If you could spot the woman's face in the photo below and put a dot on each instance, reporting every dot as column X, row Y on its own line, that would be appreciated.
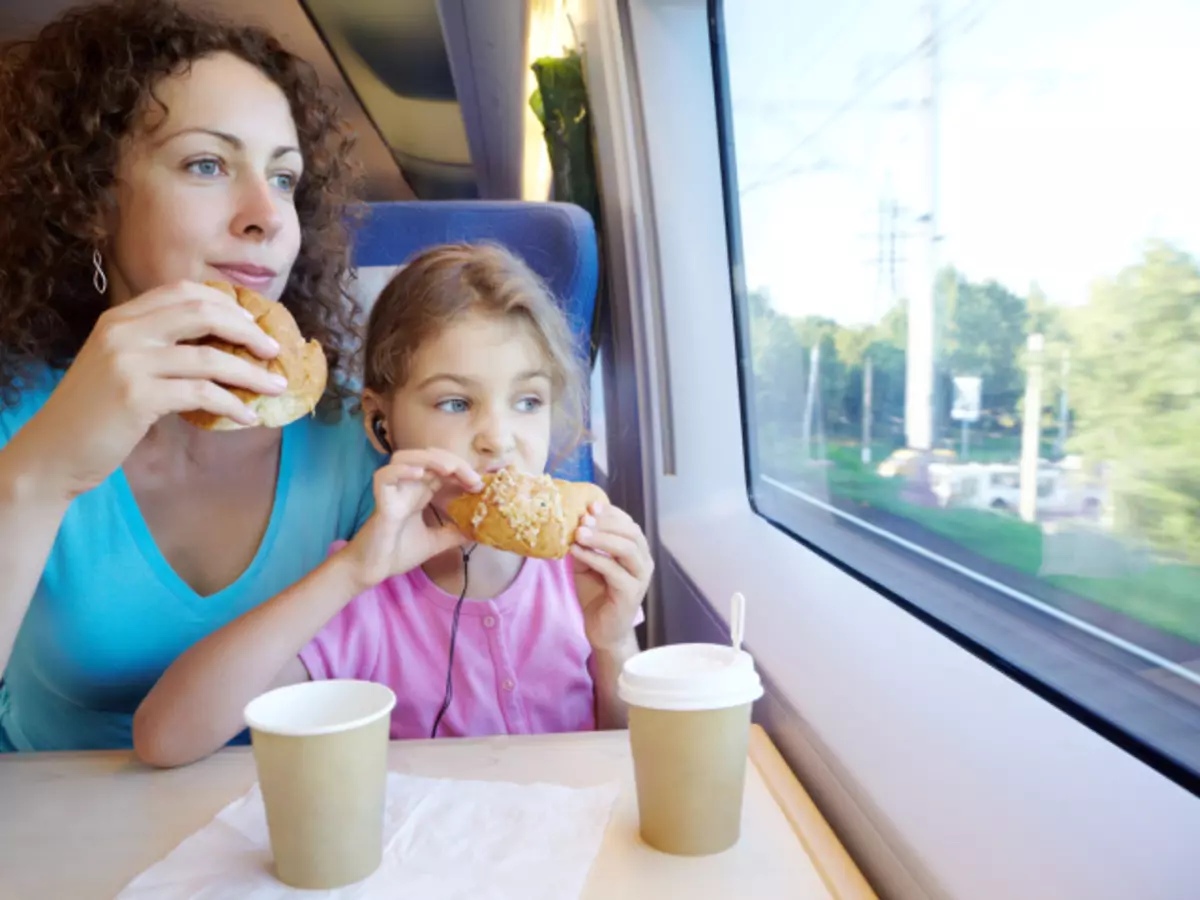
column 205, row 189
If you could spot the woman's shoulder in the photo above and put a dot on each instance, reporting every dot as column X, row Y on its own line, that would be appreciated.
column 336, row 442
column 27, row 394
column 332, row 459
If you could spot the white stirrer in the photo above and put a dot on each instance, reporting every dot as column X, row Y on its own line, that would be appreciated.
column 737, row 619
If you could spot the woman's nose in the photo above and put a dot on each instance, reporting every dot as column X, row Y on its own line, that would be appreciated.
column 257, row 213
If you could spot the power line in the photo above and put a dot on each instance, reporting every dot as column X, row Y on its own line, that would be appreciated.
column 977, row 6
column 828, row 45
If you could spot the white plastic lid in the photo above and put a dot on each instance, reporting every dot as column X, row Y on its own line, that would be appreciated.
column 319, row 707
column 690, row 676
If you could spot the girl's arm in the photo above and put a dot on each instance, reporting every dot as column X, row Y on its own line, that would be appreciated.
column 613, row 567
column 196, row 707
column 606, row 666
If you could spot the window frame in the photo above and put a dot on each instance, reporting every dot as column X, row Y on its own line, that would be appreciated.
column 861, row 691
column 1004, row 638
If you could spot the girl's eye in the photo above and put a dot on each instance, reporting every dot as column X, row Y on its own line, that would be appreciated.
column 530, row 404
column 206, row 168
column 453, row 405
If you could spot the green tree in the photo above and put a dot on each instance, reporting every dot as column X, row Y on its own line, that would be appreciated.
column 1135, row 383
column 778, row 373
column 833, row 382
column 1053, row 323
column 883, row 345
column 984, row 335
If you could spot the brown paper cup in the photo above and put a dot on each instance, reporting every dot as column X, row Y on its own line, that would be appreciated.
column 689, row 733
column 321, row 752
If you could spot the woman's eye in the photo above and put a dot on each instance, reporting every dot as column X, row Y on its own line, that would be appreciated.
column 206, row 168
column 285, row 181
column 453, row 405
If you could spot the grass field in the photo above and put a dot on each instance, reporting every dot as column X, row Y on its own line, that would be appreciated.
column 1162, row 595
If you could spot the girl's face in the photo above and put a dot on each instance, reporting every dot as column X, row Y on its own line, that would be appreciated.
column 481, row 389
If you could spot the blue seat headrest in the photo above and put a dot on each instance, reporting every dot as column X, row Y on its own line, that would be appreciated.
column 556, row 240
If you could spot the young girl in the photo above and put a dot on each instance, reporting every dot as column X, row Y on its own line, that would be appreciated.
column 469, row 368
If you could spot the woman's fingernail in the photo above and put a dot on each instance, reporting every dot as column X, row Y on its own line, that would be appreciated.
column 583, row 534
column 278, row 381
column 589, row 522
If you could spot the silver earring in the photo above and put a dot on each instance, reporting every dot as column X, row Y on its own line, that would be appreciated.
column 99, row 279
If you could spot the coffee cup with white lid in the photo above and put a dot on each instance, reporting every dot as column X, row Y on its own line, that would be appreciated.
column 689, row 730
column 690, row 677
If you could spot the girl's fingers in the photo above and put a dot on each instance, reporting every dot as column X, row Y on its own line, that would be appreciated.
column 618, row 579
column 444, row 465
column 625, row 551
column 402, row 490
column 606, row 517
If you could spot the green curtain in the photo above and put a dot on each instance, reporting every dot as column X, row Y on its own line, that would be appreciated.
column 561, row 105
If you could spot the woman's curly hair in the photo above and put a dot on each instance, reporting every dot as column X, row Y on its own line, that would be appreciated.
column 68, row 98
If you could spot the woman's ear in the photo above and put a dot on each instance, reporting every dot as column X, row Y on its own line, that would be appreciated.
column 375, row 422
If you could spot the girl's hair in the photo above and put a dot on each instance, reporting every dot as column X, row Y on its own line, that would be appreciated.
column 441, row 285
column 68, row 99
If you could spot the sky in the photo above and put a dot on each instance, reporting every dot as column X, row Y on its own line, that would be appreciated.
column 1067, row 138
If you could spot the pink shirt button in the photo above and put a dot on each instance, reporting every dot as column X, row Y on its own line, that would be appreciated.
column 489, row 622
column 508, row 684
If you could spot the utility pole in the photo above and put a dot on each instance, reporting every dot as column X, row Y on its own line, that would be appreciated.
column 814, row 364
column 885, row 289
column 866, row 419
column 894, row 213
column 1031, row 428
column 918, row 394
column 1064, row 407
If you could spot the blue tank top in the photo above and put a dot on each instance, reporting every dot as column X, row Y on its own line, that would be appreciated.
column 110, row 614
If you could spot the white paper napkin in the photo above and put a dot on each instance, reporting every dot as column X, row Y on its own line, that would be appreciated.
column 443, row 840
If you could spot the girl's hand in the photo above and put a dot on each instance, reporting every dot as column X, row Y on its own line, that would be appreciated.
column 136, row 368
column 400, row 535
column 612, row 573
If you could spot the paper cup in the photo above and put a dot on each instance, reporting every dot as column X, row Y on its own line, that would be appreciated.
column 689, row 731
column 321, row 752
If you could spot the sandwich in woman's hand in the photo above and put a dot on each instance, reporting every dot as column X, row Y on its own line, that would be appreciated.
column 531, row 515
column 301, row 362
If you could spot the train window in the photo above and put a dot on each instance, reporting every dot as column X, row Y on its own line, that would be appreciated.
column 967, row 278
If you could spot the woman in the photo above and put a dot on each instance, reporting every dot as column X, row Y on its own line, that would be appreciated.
column 144, row 150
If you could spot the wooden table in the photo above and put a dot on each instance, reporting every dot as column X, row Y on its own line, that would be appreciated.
column 80, row 826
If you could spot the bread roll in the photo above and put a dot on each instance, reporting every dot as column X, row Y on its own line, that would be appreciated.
column 531, row 515
column 301, row 362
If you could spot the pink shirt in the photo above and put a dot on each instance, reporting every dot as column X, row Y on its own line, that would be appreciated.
column 520, row 659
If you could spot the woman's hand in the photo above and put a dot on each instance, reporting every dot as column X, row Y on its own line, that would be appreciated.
column 612, row 574
column 134, row 369
column 399, row 536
